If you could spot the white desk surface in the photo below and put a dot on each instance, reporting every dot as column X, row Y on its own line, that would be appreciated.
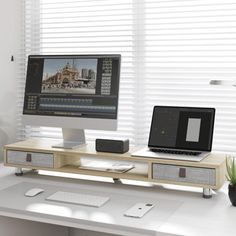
column 176, row 212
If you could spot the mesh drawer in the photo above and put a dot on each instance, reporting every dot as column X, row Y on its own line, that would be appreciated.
column 30, row 158
column 184, row 174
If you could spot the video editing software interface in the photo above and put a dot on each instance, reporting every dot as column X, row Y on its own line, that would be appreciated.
column 75, row 86
column 182, row 128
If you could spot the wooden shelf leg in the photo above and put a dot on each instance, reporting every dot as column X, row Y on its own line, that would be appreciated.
column 18, row 172
column 207, row 193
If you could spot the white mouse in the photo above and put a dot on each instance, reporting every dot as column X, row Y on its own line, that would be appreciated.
column 33, row 192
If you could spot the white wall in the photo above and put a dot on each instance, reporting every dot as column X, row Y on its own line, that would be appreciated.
column 10, row 26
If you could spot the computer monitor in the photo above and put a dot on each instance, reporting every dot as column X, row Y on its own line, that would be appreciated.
column 73, row 92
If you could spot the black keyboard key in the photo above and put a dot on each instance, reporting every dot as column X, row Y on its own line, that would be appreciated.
column 190, row 153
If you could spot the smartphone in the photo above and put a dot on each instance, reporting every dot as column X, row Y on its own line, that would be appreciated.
column 139, row 210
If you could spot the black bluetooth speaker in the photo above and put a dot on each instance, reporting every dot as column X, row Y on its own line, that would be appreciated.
column 110, row 145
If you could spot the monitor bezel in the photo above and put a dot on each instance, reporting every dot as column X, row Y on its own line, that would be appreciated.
column 68, row 121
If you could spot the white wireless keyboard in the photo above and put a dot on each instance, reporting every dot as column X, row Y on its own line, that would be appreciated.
column 78, row 199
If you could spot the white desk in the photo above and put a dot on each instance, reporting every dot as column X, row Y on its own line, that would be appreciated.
column 176, row 212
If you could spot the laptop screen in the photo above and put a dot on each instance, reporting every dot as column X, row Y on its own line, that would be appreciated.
column 185, row 128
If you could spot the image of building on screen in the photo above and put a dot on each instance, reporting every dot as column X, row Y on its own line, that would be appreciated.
column 69, row 76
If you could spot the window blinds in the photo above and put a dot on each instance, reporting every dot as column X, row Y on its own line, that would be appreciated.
column 170, row 49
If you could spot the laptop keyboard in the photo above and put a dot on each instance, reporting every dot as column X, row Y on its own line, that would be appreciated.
column 189, row 153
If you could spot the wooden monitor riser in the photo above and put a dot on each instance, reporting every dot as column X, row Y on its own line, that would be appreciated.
column 38, row 154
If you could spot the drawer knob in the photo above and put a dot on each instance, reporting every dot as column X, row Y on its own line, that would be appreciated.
column 28, row 157
column 182, row 172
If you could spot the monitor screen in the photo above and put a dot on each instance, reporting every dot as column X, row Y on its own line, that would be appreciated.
column 186, row 128
column 84, row 86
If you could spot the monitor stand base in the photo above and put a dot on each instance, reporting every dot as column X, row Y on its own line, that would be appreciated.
column 72, row 138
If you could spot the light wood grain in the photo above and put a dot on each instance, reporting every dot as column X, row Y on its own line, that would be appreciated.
column 68, row 160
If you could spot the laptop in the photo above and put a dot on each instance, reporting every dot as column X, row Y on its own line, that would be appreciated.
column 180, row 133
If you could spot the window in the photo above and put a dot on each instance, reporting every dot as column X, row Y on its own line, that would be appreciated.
column 170, row 49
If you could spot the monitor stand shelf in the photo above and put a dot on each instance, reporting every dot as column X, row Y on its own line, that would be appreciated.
column 38, row 154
